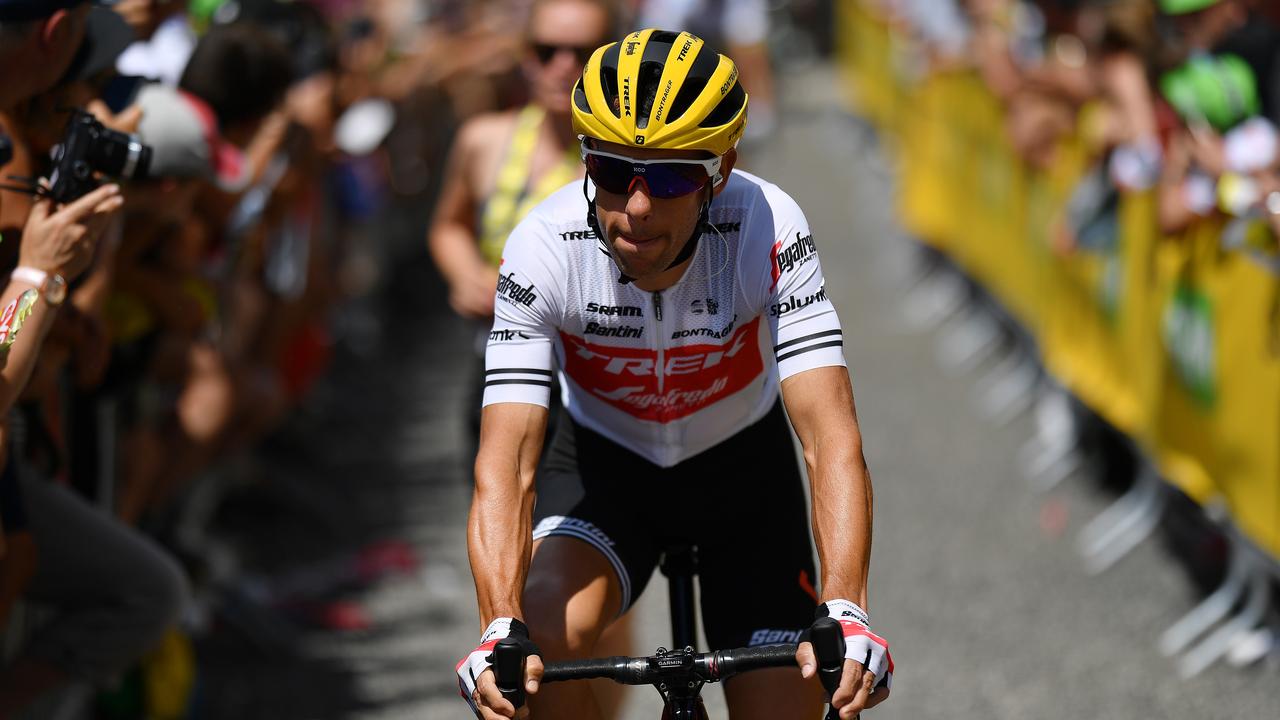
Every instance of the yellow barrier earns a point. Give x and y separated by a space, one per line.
1173 341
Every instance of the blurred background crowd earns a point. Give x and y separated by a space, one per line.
1094 190
214 400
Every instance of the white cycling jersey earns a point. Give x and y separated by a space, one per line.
665 374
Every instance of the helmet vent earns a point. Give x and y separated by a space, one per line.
609 79
704 66
727 109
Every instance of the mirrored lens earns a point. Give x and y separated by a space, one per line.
664 180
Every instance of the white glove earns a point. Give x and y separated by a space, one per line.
471 667
860 643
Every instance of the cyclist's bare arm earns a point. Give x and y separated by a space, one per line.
500 528
820 405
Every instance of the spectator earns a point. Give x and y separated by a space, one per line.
503 164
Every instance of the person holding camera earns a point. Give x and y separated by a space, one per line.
110 604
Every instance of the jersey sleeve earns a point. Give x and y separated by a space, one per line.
527 310
793 294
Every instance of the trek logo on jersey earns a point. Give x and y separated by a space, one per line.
615 310
708 306
797 253
621 331
506 335
727 227
773 637
692 376
515 293
578 235
794 303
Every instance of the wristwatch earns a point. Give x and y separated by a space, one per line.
51 285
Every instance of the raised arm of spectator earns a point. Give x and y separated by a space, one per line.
58 242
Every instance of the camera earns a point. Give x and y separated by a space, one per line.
89 148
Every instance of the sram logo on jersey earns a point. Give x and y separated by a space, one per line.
794 303
615 310
797 253
665 388
515 293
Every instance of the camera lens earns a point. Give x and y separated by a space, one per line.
119 155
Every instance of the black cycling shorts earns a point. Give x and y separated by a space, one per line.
740 503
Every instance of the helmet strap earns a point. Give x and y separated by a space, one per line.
703 225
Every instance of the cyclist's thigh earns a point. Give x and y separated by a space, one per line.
756 569
571 595
590 504
774 693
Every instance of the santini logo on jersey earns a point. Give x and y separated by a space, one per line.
622 331
797 253
794 303
618 310
515 293
771 637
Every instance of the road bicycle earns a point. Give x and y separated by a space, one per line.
678 675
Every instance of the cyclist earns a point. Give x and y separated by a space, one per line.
677 302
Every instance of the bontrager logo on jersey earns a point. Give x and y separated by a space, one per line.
793 303
506 335
706 332
578 235
621 331
515 293
692 376
618 310
797 253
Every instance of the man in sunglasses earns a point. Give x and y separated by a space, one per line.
677 306
503 164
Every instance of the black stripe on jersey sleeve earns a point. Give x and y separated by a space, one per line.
806 338
819 346
542 383
517 371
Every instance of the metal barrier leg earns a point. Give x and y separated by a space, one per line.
1052 454
935 298
1009 389
1123 525
1210 610
965 344
1216 645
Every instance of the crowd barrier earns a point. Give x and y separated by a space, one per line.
1172 340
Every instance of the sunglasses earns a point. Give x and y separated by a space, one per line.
547 52
664 179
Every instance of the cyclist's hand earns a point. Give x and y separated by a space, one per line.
488 702
868 666
476 682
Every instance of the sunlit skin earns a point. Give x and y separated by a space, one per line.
647 233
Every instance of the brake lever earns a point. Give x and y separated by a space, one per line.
508 670
828 646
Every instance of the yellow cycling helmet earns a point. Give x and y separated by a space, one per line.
663 90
